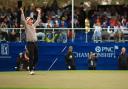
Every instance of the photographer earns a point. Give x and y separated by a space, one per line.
22 62
92 61
70 59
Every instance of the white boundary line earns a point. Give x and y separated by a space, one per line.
56 58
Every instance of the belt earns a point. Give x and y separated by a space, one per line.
32 41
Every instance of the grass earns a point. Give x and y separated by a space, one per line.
65 80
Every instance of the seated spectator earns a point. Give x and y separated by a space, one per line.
118 32
63 37
111 33
56 21
70 35
63 23
41 36
49 23
56 36
49 37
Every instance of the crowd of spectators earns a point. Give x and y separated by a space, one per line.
112 17
51 18
105 17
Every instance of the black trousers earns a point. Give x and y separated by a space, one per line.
19 62
123 67
73 67
92 68
33 54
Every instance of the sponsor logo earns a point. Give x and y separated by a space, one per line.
101 51
4 49
4 53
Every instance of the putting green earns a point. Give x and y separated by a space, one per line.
65 80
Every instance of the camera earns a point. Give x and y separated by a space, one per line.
92 55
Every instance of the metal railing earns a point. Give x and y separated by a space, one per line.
77 34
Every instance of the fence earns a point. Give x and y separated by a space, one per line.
64 35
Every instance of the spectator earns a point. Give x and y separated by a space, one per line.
70 35
56 21
22 61
123 60
118 32
70 59
97 32
87 25
3 31
61 17
92 61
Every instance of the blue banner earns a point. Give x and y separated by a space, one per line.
49 52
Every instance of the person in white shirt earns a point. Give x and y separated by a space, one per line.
3 32
97 33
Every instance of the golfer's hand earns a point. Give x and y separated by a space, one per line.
38 10
21 9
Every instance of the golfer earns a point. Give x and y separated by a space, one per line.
31 38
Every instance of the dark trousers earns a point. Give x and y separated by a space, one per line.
33 54
20 62
73 67
123 67
92 68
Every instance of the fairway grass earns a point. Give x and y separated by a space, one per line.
64 80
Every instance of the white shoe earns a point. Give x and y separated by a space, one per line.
32 73
28 68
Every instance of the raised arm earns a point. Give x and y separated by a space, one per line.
38 17
22 16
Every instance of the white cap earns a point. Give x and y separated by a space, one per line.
28 18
